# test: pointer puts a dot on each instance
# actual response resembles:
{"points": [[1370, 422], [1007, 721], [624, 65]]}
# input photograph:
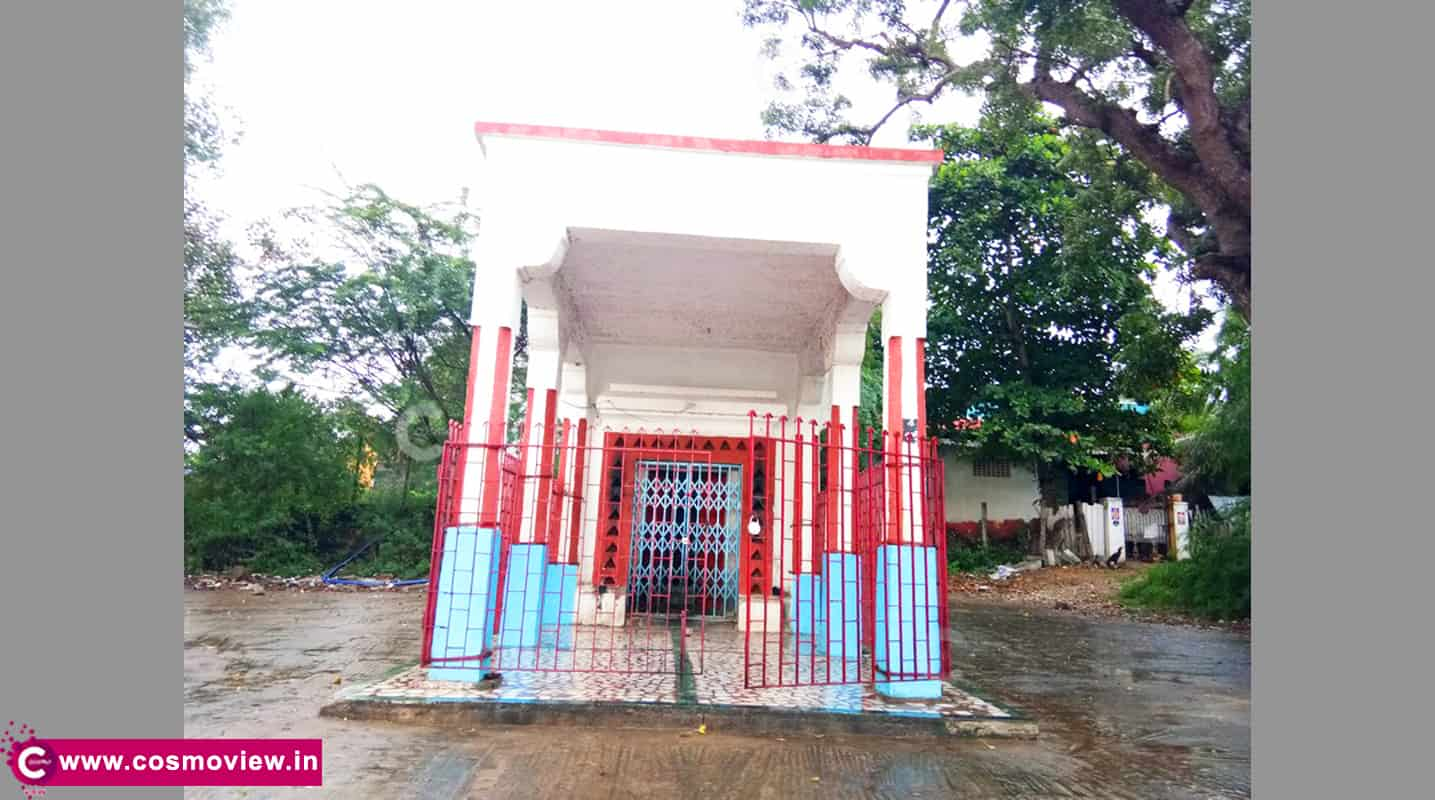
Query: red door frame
{"points": [[623, 450]]}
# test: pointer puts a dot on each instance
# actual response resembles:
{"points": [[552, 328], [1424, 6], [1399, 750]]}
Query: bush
{"points": [[403, 524], [1214, 582], [271, 488], [964, 557], [285, 558]]}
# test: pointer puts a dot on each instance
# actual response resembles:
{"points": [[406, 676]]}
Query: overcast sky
{"points": [[327, 92]]}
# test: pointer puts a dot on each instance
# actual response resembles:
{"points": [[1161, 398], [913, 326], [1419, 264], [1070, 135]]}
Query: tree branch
{"points": [[1143, 141], [1198, 93], [935, 27], [925, 97]]}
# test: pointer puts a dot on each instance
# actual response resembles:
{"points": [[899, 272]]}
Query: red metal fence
{"points": [[654, 572], [849, 498], [668, 552]]}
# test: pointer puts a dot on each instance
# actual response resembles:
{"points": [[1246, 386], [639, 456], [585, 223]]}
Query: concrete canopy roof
{"points": [[691, 291], [708, 268]]}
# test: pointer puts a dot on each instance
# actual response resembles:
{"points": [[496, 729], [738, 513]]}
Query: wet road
{"points": [[1127, 710]]}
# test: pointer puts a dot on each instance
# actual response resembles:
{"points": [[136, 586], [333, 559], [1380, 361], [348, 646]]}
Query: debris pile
{"points": [[243, 580]]}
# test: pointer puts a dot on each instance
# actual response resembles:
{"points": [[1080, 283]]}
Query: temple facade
{"points": [[688, 472]]}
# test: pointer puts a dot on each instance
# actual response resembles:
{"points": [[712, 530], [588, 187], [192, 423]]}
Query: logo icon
{"points": [[31, 761]]}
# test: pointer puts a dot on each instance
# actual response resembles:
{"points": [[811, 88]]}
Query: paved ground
{"points": [[649, 661], [1127, 710]]}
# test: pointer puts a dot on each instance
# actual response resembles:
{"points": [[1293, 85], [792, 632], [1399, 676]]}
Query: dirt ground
{"points": [[1083, 590], [1127, 710]]}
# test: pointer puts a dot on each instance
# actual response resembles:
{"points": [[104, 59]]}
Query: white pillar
{"points": [[908, 637], [541, 425], [844, 390], [904, 331], [1182, 511], [494, 316], [1114, 524]]}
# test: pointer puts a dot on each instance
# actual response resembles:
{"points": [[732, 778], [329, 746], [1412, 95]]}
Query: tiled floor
{"points": [[639, 664]]}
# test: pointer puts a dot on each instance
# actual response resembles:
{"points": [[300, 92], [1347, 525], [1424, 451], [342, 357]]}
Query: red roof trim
{"points": [[751, 146]]}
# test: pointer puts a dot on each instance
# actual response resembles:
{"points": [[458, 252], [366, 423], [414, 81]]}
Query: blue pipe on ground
{"points": [[328, 577]]}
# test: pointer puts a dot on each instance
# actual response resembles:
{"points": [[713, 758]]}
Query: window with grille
{"points": [[991, 469]]}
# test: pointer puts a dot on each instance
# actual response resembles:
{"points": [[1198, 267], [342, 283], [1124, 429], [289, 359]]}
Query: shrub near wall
{"points": [[1214, 582]]}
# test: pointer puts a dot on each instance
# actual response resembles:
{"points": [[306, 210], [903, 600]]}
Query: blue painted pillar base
{"points": [[801, 607], [908, 646], [560, 610], [910, 690], [840, 608], [522, 604], [464, 607]]}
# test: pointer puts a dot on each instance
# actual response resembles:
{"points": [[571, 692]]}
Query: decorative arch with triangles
{"points": [[622, 450]]}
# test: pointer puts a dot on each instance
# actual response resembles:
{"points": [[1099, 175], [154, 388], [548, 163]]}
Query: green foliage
{"points": [[268, 480], [213, 312], [869, 409], [403, 524], [390, 317], [1216, 459], [1164, 87], [1215, 582], [387, 322], [202, 133], [285, 558], [271, 481], [1042, 318], [273, 487], [976, 558]]}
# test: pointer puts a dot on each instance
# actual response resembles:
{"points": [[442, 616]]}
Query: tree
{"points": [[1042, 318], [388, 319], [213, 308], [211, 293], [202, 132], [1216, 458], [271, 482], [1166, 81]]}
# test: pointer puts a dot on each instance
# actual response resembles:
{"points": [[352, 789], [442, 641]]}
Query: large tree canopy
{"points": [[383, 313], [1043, 319], [387, 319], [1167, 81]]}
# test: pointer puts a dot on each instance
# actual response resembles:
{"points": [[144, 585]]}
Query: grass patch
{"points": [[1214, 583]]}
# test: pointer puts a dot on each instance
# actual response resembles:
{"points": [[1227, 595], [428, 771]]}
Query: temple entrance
{"points": [[683, 548]]}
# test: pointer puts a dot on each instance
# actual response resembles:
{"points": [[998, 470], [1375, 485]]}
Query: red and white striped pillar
{"points": [[495, 312], [905, 407], [541, 425]]}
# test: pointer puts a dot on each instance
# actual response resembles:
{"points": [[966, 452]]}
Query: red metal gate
{"points": [[644, 602], [840, 497], [748, 550]]}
